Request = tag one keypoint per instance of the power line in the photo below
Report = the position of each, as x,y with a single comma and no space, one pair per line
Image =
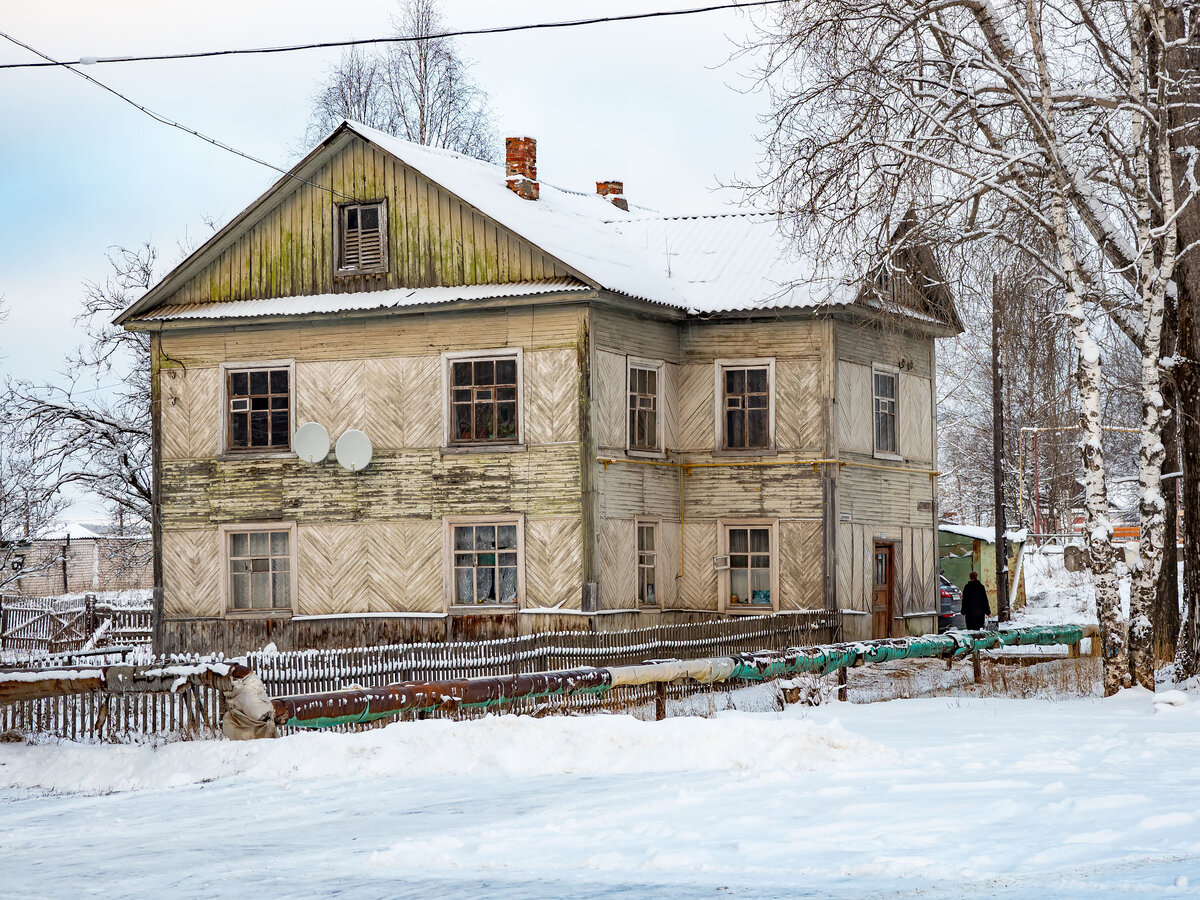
158,117
290,48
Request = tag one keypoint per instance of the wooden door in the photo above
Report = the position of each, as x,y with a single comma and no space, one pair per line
882,608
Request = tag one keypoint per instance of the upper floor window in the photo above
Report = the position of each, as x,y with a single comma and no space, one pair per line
484,401
362,237
746,418
886,383
644,382
258,407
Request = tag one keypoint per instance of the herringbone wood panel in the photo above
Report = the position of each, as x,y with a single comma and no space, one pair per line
668,564
421,403
695,408
844,554
853,407
191,409
551,391
798,401
404,566
617,560
384,383
191,573
800,565
331,393
699,580
916,417
608,385
553,559
669,405
333,569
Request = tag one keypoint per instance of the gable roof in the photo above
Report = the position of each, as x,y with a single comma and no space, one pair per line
727,262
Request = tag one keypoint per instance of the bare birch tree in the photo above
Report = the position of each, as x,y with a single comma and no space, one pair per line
993,120
93,431
420,90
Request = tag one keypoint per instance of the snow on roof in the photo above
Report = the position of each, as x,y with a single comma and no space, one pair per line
985,533
367,300
72,530
706,263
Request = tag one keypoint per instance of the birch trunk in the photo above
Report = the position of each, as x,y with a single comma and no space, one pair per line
1097,525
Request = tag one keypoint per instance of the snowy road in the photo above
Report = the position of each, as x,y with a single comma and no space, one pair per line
933,797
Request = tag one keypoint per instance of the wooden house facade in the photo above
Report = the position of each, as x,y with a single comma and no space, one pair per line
581,415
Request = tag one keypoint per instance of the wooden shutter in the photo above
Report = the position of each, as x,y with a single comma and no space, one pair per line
362,237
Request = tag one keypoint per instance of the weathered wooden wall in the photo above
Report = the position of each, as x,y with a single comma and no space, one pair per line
894,502
287,248
724,487
372,541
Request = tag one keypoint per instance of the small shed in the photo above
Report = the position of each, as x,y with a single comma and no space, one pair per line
966,548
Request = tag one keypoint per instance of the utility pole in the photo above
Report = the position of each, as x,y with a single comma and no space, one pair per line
1002,610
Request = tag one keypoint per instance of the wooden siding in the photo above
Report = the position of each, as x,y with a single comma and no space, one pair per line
699,583
617,561
798,418
288,247
553,562
854,408
887,497
868,343
916,418
801,547
626,333
191,573
190,412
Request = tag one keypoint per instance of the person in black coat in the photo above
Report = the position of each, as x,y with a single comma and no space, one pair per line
975,602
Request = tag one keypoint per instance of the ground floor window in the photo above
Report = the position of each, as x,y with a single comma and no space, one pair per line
750,565
259,566
485,563
647,548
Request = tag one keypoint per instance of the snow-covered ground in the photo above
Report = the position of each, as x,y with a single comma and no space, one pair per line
952,792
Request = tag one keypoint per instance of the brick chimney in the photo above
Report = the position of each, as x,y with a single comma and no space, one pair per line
615,191
520,166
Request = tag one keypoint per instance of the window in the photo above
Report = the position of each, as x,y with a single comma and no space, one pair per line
745,418
259,566
885,411
647,564
644,380
484,401
258,407
750,565
486,562
363,238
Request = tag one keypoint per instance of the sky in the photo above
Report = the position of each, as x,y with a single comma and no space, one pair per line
657,104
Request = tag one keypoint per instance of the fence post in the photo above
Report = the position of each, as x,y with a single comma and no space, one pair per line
843,687
975,666
660,701
3,623
89,617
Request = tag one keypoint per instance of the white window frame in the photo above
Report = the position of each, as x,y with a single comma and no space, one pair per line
448,523
339,213
223,449
721,563
659,367
451,357
894,372
224,531
656,523
719,367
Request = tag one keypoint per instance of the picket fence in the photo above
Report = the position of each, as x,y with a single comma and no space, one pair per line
51,626
196,710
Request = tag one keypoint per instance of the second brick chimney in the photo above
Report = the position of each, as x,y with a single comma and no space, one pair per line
614,191
520,166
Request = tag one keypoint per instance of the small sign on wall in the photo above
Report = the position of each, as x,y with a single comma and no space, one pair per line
924,506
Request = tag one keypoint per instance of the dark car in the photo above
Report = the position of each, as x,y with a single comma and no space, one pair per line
950,611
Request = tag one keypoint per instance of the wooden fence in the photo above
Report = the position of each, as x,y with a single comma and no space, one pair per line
52,626
197,710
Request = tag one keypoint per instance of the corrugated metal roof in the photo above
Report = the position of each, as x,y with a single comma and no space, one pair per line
366,300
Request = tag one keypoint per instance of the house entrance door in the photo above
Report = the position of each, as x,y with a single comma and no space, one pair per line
884,596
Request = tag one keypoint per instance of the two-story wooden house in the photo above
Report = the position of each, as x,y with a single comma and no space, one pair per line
580,414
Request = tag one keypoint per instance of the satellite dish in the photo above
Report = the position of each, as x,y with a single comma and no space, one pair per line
353,450
311,442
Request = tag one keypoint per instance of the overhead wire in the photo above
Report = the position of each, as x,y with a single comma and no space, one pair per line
398,39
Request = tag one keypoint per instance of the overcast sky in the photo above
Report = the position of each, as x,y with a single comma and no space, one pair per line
653,103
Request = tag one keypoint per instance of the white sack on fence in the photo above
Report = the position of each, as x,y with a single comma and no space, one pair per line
249,714
705,671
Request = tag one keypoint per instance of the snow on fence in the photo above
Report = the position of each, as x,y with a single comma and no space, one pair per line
32,626
196,709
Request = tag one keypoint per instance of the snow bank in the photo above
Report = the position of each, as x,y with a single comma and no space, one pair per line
495,746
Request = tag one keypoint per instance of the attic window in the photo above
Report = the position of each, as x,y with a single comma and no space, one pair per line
362,244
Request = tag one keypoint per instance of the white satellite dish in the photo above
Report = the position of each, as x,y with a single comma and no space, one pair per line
353,450
311,442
